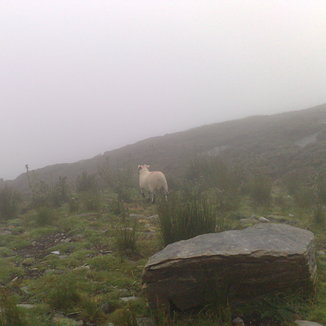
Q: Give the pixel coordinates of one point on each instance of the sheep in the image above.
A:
(151, 181)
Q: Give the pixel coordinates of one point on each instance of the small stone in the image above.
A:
(127, 299)
(25, 289)
(84, 267)
(78, 237)
(49, 271)
(106, 252)
(56, 252)
(14, 279)
(153, 217)
(136, 215)
(57, 317)
(73, 314)
(28, 262)
(145, 321)
(263, 219)
(237, 322)
(60, 319)
(25, 305)
(5, 232)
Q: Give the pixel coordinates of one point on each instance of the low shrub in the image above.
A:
(126, 236)
(185, 215)
(91, 200)
(9, 201)
(321, 189)
(304, 197)
(117, 207)
(260, 190)
(86, 183)
(318, 215)
(73, 204)
(59, 192)
(44, 216)
(125, 233)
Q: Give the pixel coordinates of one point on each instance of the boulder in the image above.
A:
(241, 264)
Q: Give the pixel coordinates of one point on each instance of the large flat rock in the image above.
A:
(238, 263)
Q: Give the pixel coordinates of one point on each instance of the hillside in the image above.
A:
(76, 256)
(281, 143)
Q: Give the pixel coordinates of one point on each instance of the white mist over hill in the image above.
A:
(79, 78)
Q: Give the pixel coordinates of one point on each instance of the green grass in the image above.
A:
(9, 314)
(94, 270)
(9, 270)
(186, 215)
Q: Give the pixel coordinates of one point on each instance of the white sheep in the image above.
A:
(152, 181)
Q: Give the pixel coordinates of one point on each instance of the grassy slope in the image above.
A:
(91, 275)
(88, 278)
(271, 141)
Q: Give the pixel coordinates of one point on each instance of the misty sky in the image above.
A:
(79, 77)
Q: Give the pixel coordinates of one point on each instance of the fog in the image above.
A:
(78, 78)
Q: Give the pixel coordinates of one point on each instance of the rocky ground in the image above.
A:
(74, 270)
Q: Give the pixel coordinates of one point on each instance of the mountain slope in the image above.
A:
(281, 143)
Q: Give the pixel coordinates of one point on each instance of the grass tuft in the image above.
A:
(184, 216)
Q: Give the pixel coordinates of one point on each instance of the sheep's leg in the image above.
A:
(142, 192)
(152, 197)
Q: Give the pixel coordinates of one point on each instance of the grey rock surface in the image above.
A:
(306, 323)
(263, 219)
(131, 298)
(25, 305)
(243, 263)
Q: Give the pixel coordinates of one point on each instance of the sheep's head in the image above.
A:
(143, 167)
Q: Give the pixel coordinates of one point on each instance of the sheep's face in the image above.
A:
(143, 167)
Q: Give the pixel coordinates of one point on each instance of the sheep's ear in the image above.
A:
(148, 166)
(139, 167)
